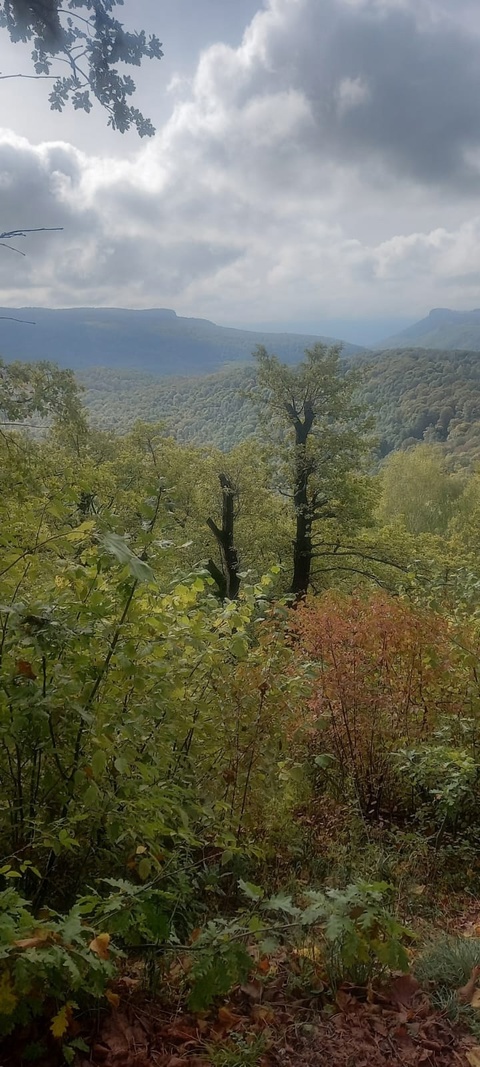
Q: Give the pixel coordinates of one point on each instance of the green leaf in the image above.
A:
(99, 763)
(281, 902)
(253, 892)
(118, 547)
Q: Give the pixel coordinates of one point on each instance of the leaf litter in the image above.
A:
(360, 1028)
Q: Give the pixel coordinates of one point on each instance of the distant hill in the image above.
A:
(442, 329)
(415, 394)
(424, 394)
(156, 341)
(210, 409)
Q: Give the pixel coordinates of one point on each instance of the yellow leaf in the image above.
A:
(8, 997)
(475, 1001)
(473, 1056)
(113, 998)
(61, 1021)
(99, 946)
(311, 952)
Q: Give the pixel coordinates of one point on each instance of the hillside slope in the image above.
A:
(442, 329)
(413, 393)
(156, 341)
(419, 394)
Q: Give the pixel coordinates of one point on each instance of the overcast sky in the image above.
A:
(314, 160)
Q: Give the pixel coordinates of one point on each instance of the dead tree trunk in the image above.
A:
(226, 578)
(302, 545)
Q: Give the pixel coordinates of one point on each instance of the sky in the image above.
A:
(315, 162)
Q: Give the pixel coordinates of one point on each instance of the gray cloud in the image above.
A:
(329, 164)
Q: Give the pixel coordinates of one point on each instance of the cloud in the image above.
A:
(329, 165)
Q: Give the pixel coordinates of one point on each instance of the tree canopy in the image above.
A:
(86, 37)
(323, 429)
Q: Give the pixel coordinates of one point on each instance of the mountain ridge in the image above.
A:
(151, 340)
(443, 329)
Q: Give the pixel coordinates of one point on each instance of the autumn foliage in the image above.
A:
(387, 673)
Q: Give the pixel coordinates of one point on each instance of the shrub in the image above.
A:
(386, 673)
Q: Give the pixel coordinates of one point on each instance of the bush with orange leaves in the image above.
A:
(387, 674)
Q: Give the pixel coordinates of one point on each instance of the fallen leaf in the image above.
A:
(113, 998)
(262, 1013)
(253, 990)
(345, 1001)
(99, 946)
(402, 989)
(473, 1056)
(228, 1018)
(465, 993)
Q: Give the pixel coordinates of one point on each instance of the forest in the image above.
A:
(240, 725)
(417, 394)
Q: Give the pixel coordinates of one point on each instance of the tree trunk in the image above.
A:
(227, 579)
(302, 545)
(302, 557)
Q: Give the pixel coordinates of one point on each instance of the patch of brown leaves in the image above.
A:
(361, 1029)
(397, 1027)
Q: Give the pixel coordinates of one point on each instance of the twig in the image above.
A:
(7, 234)
(11, 318)
(34, 77)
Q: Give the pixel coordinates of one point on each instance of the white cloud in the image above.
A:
(327, 166)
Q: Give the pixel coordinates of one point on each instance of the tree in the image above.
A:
(86, 36)
(419, 491)
(323, 440)
(228, 578)
(38, 389)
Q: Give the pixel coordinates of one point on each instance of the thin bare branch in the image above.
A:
(8, 234)
(30, 77)
(11, 318)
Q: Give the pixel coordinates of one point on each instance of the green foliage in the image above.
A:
(414, 396)
(320, 432)
(221, 963)
(46, 965)
(360, 939)
(88, 27)
(363, 940)
(444, 779)
(419, 395)
(419, 490)
(38, 389)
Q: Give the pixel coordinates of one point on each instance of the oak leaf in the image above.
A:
(99, 946)
(61, 1021)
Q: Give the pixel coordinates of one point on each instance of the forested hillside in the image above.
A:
(412, 393)
(441, 329)
(418, 394)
